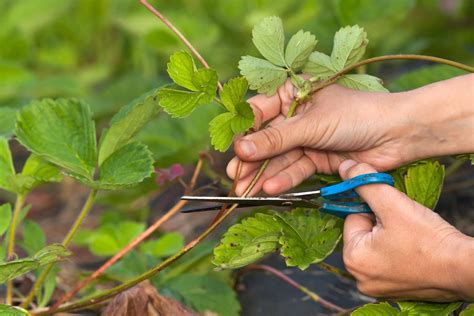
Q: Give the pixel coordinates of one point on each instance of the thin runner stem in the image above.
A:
(20, 200)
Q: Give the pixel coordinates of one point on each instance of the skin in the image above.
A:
(405, 250)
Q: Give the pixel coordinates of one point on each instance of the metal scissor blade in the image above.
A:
(253, 201)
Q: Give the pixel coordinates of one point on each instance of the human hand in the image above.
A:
(405, 251)
(385, 130)
(335, 124)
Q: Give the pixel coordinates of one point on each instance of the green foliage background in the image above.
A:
(109, 51)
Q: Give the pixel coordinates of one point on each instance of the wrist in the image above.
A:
(434, 120)
(459, 267)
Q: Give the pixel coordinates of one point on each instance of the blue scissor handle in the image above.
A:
(346, 188)
(342, 209)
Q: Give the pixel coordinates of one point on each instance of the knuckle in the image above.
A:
(273, 138)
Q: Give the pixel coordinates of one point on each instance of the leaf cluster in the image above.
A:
(303, 237)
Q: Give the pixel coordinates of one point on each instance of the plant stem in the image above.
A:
(178, 33)
(72, 231)
(313, 296)
(335, 77)
(333, 269)
(20, 200)
(175, 209)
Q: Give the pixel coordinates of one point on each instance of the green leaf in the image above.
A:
(36, 171)
(248, 241)
(233, 92)
(181, 69)
(362, 83)
(468, 311)
(244, 118)
(50, 254)
(126, 167)
(298, 49)
(7, 170)
(221, 132)
(5, 217)
(62, 132)
(426, 309)
(202, 293)
(48, 287)
(7, 310)
(269, 38)
(206, 82)
(376, 310)
(7, 121)
(165, 246)
(319, 65)
(127, 123)
(34, 238)
(307, 236)
(181, 103)
(262, 75)
(424, 182)
(110, 238)
(349, 46)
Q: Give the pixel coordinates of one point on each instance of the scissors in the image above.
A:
(331, 199)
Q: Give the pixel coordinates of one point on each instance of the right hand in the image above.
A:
(337, 123)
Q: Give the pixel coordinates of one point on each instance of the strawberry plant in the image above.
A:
(60, 135)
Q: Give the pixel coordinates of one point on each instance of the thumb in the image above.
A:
(383, 199)
(270, 141)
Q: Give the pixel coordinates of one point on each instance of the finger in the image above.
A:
(247, 168)
(356, 226)
(275, 166)
(290, 177)
(271, 141)
(265, 108)
(381, 197)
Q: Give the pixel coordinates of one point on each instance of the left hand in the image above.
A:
(405, 251)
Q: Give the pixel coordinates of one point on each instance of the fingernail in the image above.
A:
(345, 165)
(247, 147)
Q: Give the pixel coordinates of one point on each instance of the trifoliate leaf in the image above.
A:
(7, 170)
(376, 310)
(7, 310)
(7, 121)
(181, 69)
(319, 65)
(127, 123)
(233, 92)
(269, 38)
(362, 83)
(5, 217)
(425, 308)
(202, 84)
(50, 254)
(126, 167)
(244, 118)
(205, 293)
(298, 49)
(424, 182)
(248, 241)
(62, 132)
(220, 130)
(180, 103)
(349, 46)
(262, 75)
(307, 236)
